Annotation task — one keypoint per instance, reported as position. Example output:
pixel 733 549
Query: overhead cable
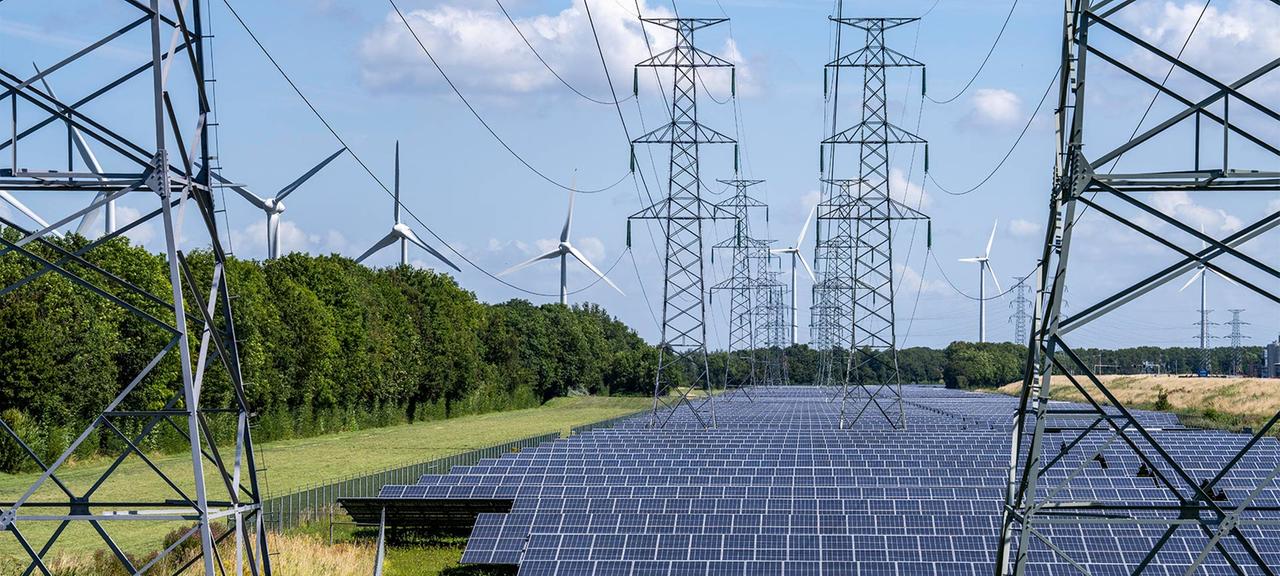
pixel 986 59
pixel 548 66
pixel 379 182
pixel 1030 120
pixel 485 123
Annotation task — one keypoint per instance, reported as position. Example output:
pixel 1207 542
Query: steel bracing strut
pixel 683 377
pixel 1215 119
pixel 190 320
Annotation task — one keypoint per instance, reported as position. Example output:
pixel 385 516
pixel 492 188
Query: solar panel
pixel 779 489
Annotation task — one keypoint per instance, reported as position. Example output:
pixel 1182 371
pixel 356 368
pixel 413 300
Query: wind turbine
pixel 1200 274
pixel 90 161
pixel 274 205
pixel 402 233
pixel 563 251
pixel 794 252
pixel 984 268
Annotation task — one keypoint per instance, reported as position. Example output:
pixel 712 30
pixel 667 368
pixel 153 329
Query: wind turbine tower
pixel 984 268
pixel 273 206
pixel 1204 337
pixel 402 233
pixel 796 255
pixel 565 250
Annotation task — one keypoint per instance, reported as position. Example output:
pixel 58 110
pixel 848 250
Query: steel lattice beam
pixel 857 224
pixel 193 314
pixel 1097 33
pixel 682 361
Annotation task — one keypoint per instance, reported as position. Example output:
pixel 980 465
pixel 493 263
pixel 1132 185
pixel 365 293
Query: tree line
pixel 325 344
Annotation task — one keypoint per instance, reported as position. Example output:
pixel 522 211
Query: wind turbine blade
pixel 82 145
pixel 387 240
pixel 530 262
pixel 10 200
pixel 583 259
pixel 1221 275
pixel 287 190
pixel 568 221
pixel 91 219
pixel 970 260
pixel 812 277
pixel 1192 279
pixel 242 191
pixel 992 239
pixel 397 191
pixel 410 236
pixel 805 229
pixel 994 279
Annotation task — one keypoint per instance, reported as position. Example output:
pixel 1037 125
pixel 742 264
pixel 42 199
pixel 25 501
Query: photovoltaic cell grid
pixel 779 489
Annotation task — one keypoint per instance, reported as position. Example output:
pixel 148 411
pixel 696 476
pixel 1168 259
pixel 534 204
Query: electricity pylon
pixel 740 285
pixel 1021 313
pixel 193 358
pixel 1204 128
pixel 857 226
pixel 1237 338
pixel 682 355
pixel 771 320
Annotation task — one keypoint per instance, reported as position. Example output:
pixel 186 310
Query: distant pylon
pixel 682 352
pixel 857 223
pixel 740 286
pixel 1237 338
pixel 1021 313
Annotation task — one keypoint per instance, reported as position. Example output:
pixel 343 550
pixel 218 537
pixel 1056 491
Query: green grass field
pixel 293 464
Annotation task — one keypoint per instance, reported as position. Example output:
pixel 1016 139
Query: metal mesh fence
pixel 313 502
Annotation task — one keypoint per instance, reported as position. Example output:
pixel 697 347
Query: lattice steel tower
pixel 1021 311
pixel 1211 139
pixel 1237 339
pixel 858 231
pixel 682 360
pixel 183 330
pixel 741 285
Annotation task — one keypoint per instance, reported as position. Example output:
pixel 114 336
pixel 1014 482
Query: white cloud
pixel 140 235
pixel 593 248
pixel 1021 228
pixel 911 282
pixel 1229 39
pixel 252 240
pixel 1273 206
pixel 1181 206
pixel 995 107
pixel 483 54
pixel 907 192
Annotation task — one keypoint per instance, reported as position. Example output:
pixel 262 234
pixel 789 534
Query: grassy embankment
pixel 1226 403
pixel 293 464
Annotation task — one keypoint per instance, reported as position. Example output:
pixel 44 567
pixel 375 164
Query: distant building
pixel 1271 360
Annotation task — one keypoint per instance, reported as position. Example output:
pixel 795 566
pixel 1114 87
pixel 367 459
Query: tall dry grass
pixel 1220 402
pixel 292 555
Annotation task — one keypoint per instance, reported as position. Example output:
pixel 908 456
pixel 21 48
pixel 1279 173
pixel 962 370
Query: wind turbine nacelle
pixel 402 229
pixel 274 206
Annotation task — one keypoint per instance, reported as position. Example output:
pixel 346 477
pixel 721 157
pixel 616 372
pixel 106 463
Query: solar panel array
pixel 779 489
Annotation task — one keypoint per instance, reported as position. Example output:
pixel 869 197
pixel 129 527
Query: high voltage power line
pixel 334 132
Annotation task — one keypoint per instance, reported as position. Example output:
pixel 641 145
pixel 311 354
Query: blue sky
pixel 366 75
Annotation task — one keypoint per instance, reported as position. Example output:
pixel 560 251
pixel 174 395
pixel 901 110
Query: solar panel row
pixel 778 489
